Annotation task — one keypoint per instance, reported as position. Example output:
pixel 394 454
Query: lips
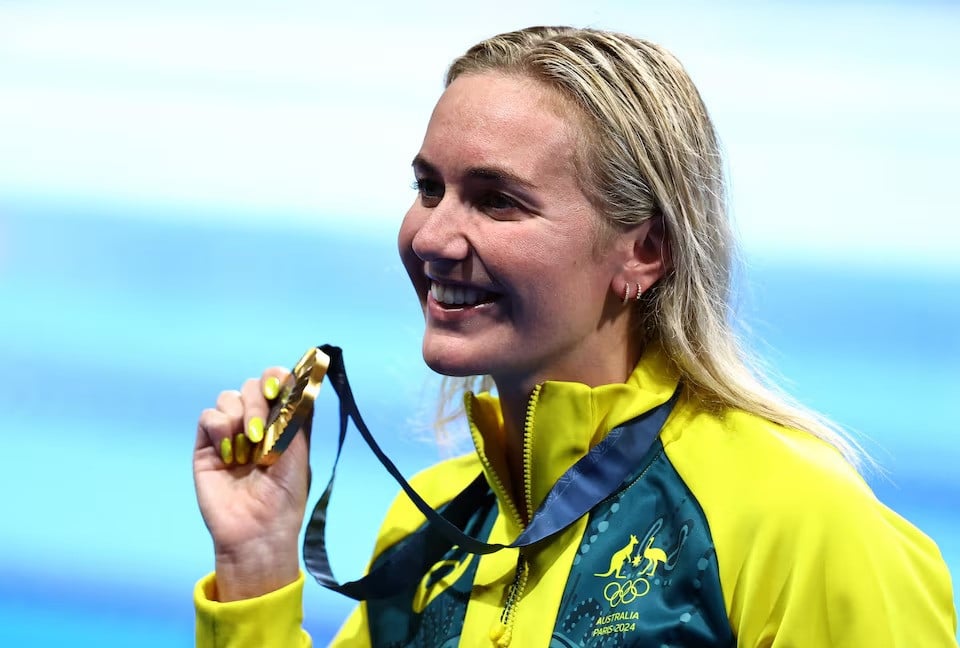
pixel 454 296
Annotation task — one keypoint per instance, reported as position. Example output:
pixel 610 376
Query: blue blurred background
pixel 190 192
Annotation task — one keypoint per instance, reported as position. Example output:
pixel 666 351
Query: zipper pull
pixel 497 634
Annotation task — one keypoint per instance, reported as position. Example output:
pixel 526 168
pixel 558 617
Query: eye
pixel 430 191
pixel 497 204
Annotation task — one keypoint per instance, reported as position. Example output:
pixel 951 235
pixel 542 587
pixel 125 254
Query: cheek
pixel 570 287
pixel 411 224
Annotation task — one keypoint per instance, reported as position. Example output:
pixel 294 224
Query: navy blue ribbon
pixel 588 482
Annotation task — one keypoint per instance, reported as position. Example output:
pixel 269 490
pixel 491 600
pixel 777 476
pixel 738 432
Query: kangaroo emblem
pixel 653 555
pixel 619 557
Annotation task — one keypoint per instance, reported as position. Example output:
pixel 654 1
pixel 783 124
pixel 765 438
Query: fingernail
pixel 271 387
pixel 255 429
pixel 242 449
pixel 226 451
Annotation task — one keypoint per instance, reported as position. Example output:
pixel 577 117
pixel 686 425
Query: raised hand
pixel 254 513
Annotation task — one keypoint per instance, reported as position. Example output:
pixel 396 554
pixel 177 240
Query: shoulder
pixel 757 479
pixel 753 468
pixel 437 485
pixel 799 534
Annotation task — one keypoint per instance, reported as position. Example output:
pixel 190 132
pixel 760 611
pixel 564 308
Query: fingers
pixel 218 427
pixel 255 409
pixel 237 423
pixel 272 379
pixel 224 427
pixel 229 403
pixel 256 395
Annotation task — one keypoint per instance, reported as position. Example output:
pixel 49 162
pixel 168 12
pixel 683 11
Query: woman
pixel 570 240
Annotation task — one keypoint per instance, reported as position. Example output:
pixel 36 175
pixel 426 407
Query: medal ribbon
pixel 588 482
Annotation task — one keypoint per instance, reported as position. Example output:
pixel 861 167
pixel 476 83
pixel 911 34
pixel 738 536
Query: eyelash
pixel 423 185
pixel 428 190
pixel 506 203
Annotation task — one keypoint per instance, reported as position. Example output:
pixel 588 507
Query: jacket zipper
pixel 502 633
pixel 497 483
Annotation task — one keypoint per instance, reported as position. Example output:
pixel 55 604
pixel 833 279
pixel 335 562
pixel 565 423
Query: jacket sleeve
pixel 808 556
pixel 273 620
pixel 855 575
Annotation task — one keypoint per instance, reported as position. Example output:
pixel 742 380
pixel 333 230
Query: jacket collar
pixel 564 420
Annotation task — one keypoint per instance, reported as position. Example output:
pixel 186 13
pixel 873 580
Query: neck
pixel 514 393
pixel 515 397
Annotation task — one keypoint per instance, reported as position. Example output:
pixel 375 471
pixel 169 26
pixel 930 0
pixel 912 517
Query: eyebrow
pixel 489 174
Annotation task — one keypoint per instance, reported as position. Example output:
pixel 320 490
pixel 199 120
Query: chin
pixel 445 367
pixel 452 362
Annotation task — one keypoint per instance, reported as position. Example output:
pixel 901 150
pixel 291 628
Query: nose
pixel 440 235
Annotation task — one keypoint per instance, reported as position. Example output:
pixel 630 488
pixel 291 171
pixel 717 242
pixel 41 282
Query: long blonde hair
pixel 650 151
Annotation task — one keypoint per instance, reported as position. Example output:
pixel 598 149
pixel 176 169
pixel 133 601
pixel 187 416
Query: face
pixel 500 242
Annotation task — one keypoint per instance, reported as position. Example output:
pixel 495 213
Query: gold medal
pixel 292 407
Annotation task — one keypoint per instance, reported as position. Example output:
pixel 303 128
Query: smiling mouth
pixel 449 296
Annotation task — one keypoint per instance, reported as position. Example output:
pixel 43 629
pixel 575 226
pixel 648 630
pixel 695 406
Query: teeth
pixel 457 295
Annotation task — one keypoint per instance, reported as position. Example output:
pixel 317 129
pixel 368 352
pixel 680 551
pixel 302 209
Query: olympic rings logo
pixel 626 592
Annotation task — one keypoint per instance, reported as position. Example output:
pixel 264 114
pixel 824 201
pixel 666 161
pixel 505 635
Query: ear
pixel 645 259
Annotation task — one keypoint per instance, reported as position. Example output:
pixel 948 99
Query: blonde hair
pixel 650 151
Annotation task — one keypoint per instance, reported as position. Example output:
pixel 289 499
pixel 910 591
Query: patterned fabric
pixel 630 584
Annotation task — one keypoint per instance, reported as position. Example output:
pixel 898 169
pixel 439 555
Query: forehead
pixel 502 120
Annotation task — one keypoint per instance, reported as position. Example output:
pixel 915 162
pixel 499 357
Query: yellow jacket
pixel 733 531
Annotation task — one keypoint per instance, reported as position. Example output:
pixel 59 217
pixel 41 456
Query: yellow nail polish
pixel 255 429
pixel 242 449
pixel 271 387
pixel 226 451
